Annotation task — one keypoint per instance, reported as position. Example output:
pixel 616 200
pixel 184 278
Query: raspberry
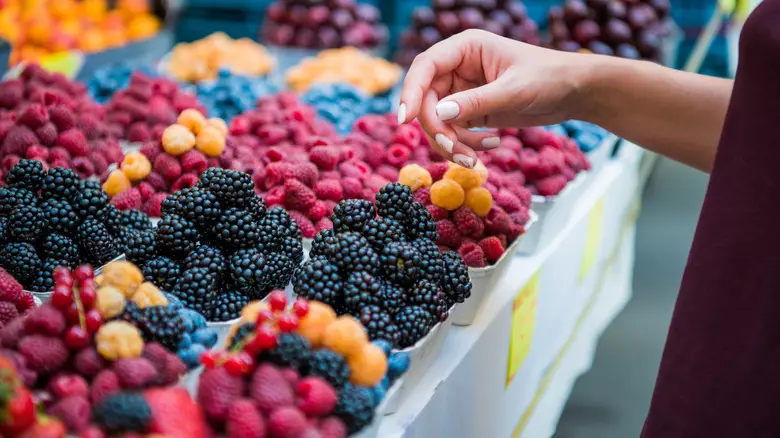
pixel 551 162
pixel 447 194
pixel 25 302
pixel 18 140
pixel 46 133
pixel 193 161
pixel 62 117
pixel 177 139
pixel 448 233
pixel 151 150
pixel 325 157
pixel 243 421
pixel 496 221
pixel 10 289
pixel 492 248
pixel 275 196
pixel 316 398
pixel 10 161
pixel 437 213
pixel 519 217
pixel 135 373
pixel 473 256
pixel 89 363
pixel 356 169
pixel 104 384
pixel 505 159
pixel 329 189
pixel 45 320
pixel 333 427
pixel 146 190
pixel 287 422
pixel 479 200
pixel 43 354
pixel 352 187
pixel 192 119
pixel 128 200
pixel 423 195
pixel 99 162
pixel 210 141
pixel 323 224
pixel 185 181
pixel 217 390
pixel 298 196
pixel 304 224
pixel 508 201
pixel 83 167
pixel 468 223
pixel 136 166
pixel 437 170
pixel 317 211
pixel 397 155
pixel 157 182
pixel 7 312
pixel 153 206
pixel 388 172
pixel 74 411
pixel 138 132
pixel 269 389
pixel 168 167
pixel 90 125
pixel 306 173
pixel 11 93
pixel 550 186
pixel 34 116
pixel 174 370
pixel 12 333
pixel 408 136
pixel 116 183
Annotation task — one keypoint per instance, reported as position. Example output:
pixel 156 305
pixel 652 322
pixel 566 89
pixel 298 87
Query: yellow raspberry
pixel 414 176
pixel 123 275
pixel 177 139
pixel 119 340
pixel 447 194
pixel 110 302
pixel 148 295
pixel 116 183
pixel 482 170
pixel 250 311
pixel 192 119
pixel 467 178
pixel 136 166
pixel 210 141
pixel 345 335
pixel 219 124
pixel 480 200
pixel 367 366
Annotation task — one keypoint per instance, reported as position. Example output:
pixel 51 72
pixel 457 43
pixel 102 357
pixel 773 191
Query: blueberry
pixel 379 394
pixel 174 302
pixel 189 324
pixel 397 364
pixel 191 356
pixel 587 141
pixel 197 319
pixel 384 345
pixel 185 343
pixel 205 336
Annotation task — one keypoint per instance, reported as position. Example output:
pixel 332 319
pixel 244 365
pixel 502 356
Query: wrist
pixel 591 80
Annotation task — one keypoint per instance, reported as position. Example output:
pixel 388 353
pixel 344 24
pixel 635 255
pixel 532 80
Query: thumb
pixel 475 105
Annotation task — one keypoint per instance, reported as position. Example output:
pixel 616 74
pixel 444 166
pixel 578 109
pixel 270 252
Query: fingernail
pixel 444 142
pixel 402 114
pixel 463 160
pixel 447 110
pixel 491 142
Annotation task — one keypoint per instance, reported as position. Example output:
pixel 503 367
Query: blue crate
pixel 197 23
pixel 251 6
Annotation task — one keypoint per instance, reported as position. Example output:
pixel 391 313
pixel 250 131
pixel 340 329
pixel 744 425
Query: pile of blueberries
pixel 108 80
pixel 342 104
pixel 231 94
pixel 587 135
pixel 197 338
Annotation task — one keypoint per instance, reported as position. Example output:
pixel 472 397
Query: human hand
pixel 485 80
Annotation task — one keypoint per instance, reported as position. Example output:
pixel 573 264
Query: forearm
pixel 676 114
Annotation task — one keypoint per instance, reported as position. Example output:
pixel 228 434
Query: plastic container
pixel 372 430
pixel 553 213
pixel 484 279
pixel 601 155
pixel 46 296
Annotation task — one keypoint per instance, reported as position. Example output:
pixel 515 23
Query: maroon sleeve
pixel 720 372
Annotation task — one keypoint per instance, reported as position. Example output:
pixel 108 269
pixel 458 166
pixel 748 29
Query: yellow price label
pixel 727 6
pixel 67 63
pixel 592 239
pixel 523 323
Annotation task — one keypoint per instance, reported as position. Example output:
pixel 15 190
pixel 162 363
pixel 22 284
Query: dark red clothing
pixel 720 373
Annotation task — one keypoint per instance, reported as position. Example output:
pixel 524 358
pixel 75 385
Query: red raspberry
pixel 88 362
pixel 104 384
pixel 398 155
pixel 244 421
pixel 306 173
pixel 240 125
pixel 46 133
pixel 515 230
pixel 83 167
pixel 323 224
pixel 496 221
pixel 18 140
pixel 551 186
pixel 298 195
pixel 46 320
pixel 287 422
pixel 42 353
pixel 37 152
pixel 473 255
pixel 111 150
pixel 145 190
pixel 333 427
pixel 74 412
pixel 135 373
pixel 130 199
pixel 376 182
pixel 8 312
pixel 11 93
pixel 508 201
pixel 388 172
pixel 533 137
pixel 468 223
pixel 34 116
pixel 529 163
pixel 62 117
pixel 91 126
pixel 317 211
pixel 551 162
pixel 99 162
pixel 157 182
pixel 185 181
pixel 25 302
pixel 153 206
pixel 59 153
pixel 9 161
pixel 329 189
pixel 437 170
pixel 5 127
pixel 10 289
pixel 567 173
pixel 330 174
pixel 505 159
pixel 74 141
pixel 437 213
pixel 576 160
pixel 275 196
pixel 375 154
pixel 151 149
pixel 193 161
pixel 276 173
pixel 138 132
pixel 174 370
pixel 492 248
pixel 269 389
pixel 12 333
pixel 316 398
pixel 353 188
pixel 325 157
pixel 355 169
pixel 217 390
pixel 168 167
pixel 422 195
pixel 304 224
pixel 520 217
pixel 448 233
pixel 408 136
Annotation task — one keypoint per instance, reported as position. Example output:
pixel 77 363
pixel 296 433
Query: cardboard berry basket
pixel 484 279
pixel 553 213
pixel 42 297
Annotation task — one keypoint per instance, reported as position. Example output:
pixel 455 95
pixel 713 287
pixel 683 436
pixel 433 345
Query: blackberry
pixel 209 257
pixel 394 201
pixel 360 290
pixel 276 224
pixel 236 229
pixel 277 271
pixel 455 281
pixel 231 187
pixel 355 407
pixel 198 206
pixel 431 262
pixel 89 184
pixel 62 248
pixel 123 412
pixel 330 366
pixel 163 272
pixel 27 174
pixel 11 197
pixel 97 244
pixel 322 242
pixel 160 324
pixel 228 306
pixel 257 207
pixel 140 247
pixel 352 214
pixel 293 249
pixel 246 270
pixel 402 263
pixel 170 205
pixel 318 279
pixel 381 232
pixel 176 235
pixel 60 182
pixel 241 333
pixel 136 220
pixel 112 217
pixel 44 278
pixel 379 324
pixel 90 202
pixel 420 224
pixel 428 296
pixel 352 252
pixel 25 223
pixel 197 289
pixel 292 350
pixel 3 229
pixel 413 323
pixel 21 260
pixel 131 313
pixel 62 218
pixel 392 297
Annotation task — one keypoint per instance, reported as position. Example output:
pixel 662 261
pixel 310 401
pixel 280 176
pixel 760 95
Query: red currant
pixel 208 358
pixel 277 300
pixel 300 307
pixel 263 316
pixel 62 297
pixel 267 337
pixel 93 320
pixel 88 294
pixel 254 346
pixel 235 366
pixel 76 338
pixel 288 323
pixel 72 313
pixel 84 273
pixel 62 276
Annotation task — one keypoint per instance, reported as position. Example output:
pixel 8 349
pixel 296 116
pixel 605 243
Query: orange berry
pixel 447 194
pixel 368 366
pixel 345 335
pixel 110 302
pixel 192 119
pixel 119 340
pixel 123 275
pixel 116 183
pixel 313 325
pixel 250 311
pixel 136 166
pixel 219 124
pixel 210 141
pixel 414 176
pixel 148 295
pixel 467 178
pixel 480 200
pixel 177 139
pixel 482 171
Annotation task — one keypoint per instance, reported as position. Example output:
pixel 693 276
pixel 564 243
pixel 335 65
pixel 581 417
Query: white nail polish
pixel 402 114
pixel 444 142
pixel 447 110
pixel 463 160
pixel 491 142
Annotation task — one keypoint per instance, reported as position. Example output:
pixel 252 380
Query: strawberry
pixel 46 429
pixel 169 406
pixel 19 406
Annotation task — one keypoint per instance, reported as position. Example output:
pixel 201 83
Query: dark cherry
pixel 558 31
pixel 493 27
pixel 600 48
pixel 341 3
pixel 305 37
pixel 568 46
pixel 585 32
pixel 408 38
pixel 341 19
pixel 317 16
pixel 649 44
pixel 555 13
pixel 517 11
pixel 617 32
pixel 447 22
pixel 443 5
pixel 641 16
pixel 276 12
pixel 423 16
pixel 616 9
pixel 285 35
pixel 429 36
pixel 501 17
pixel 367 13
pixel 517 32
pixel 661 7
pixel 299 15
pixel 471 18
pixel 574 11
pixel 627 51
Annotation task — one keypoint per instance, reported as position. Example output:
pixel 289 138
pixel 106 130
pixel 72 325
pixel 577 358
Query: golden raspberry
pixel 367 366
pixel 480 200
pixel 482 170
pixel 345 335
pixel 414 176
pixel 148 295
pixel 123 275
pixel 447 194
pixel 210 141
pixel 313 325
pixel 219 124
pixel 110 302
pixel 116 183
pixel 177 139
pixel 192 119
pixel 250 311
pixel 136 166
pixel 119 340
pixel 467 178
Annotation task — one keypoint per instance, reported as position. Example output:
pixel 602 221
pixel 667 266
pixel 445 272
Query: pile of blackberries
pixel 53 218
pixel 386 270
pixel 216 248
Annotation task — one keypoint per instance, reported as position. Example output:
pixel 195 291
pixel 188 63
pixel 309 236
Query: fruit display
pixel 216 248
pixel 74 358
pixel 36 85
pixel 297 370
pixel 371 74
pixel 107 80
pixel 173 161
pixel 323 24
pixel 231 94
pixel 342 104
pixel 39 28
pixel 203 59
pixel 628 29
pixel 148 106
pixel 52 218
pixel 380 263
pixel 14 301
pixel 587 135
pixel 445 18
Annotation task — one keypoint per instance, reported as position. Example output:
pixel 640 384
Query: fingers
pixel 478 140
pixel 474 106
pixel 442 134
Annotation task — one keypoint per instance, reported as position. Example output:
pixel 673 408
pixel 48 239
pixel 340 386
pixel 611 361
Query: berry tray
pixel 42 297
pixel 288 57
pixel 484 279
pixel 372 430
pixel 554 212
pixel 602 153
